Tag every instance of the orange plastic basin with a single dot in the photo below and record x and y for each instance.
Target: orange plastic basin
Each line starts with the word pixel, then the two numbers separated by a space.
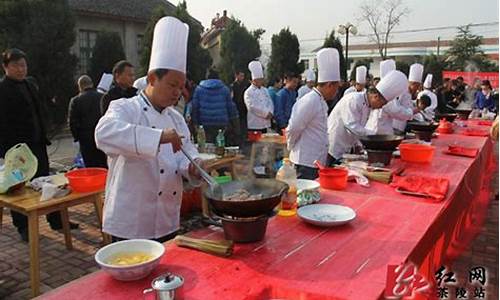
pixel 416 153
pixel 254 136
pixel 333 178
pixel 87 180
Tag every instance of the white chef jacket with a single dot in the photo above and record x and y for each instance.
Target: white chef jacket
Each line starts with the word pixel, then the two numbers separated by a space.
pixel 144 183
pixel 352 111
pixel 259 105
pixel 434 101
pixel 401 111
pixel 352 89
pixel 303 90
pixel 307 135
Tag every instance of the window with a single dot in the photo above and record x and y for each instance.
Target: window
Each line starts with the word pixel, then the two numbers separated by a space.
pixel 306 64
pixel 86 44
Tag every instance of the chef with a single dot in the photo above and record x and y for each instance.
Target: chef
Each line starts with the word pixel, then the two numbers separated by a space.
pixel 381 121
pixel 350 115
pixel 307 135
pixel 259 105
pixel 360 81
pixel 310 81
pixel 430 111
pixel 409 97
pixel 142 137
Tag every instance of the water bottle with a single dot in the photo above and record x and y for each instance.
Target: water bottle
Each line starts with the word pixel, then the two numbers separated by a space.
pixel 287 174
pixel 201 139
pixel 220 143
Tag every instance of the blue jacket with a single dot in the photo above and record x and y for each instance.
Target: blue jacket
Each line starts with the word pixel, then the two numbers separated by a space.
pixel 212 104
pixel 272 91
pixel 285 99
pixel 481 102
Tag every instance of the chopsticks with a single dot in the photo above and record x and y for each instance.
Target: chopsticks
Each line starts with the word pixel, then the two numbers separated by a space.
pixel 219 248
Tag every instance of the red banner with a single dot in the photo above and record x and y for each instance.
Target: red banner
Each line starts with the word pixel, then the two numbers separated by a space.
pixel 470 77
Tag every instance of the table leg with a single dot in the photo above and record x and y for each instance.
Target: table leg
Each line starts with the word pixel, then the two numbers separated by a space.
pixel 98 205
pixel 66 229
pixel 34 255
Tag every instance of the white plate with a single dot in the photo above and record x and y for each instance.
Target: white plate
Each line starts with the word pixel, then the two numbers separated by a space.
pixel 306 185
pixel 326 214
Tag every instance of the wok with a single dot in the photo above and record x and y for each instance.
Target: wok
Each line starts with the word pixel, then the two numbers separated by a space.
pixel 422 126
pixel 381 141
pixel 448 117
pixel 271 191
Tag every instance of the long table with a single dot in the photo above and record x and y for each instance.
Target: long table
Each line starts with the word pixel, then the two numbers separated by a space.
pixel 300 261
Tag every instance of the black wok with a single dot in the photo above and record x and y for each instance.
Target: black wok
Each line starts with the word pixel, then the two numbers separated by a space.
pixel 422 126
pixel 271 191
pixel 381 141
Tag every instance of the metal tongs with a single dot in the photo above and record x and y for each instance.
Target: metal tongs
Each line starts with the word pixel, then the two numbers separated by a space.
pixel 215 188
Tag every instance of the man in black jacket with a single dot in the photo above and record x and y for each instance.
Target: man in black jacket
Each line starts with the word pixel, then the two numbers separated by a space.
pixel 84 113
pixel 21 122
pixel 238 88
pixel 123 84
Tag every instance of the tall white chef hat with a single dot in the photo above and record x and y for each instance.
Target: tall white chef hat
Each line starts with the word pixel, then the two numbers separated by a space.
pixel 428 81
pixel 416 73
pixel 392 85
pixel 105 82
pixel 255 68
pixel 361 74
pixel 169 49
pixel 328 65
pixel 386 66
pixel 310 76
pixel 141 83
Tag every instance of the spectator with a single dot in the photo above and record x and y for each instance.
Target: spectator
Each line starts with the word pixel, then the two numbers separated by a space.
pixel 273 88
pixel 213 108
pixel 123 81
pixel 484 98
pixel 285 99
pixel 21 121
pixel 84 113
pixel 238 88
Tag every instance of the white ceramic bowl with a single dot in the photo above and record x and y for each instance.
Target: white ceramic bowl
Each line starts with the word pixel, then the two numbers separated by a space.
pixel 132 272
pixel 307 192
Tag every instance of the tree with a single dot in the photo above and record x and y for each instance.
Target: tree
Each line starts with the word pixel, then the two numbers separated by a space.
pixel 361 62
pixel 465 53
pixel 238 47
pixel 284 54
pixel 44 29
pixel 435 66
pixel 198 59
pixel 382 17
pixel 333 42
pixel 108 50
pixel 403 66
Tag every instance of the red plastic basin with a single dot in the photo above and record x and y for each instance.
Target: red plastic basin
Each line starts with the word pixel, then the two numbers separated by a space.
pixel 87 180
pixel 416 153
pixel 254 136
pixel 333 178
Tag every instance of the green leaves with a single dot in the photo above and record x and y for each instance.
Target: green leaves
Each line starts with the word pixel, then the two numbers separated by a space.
pixel 284 54
pixel 108 50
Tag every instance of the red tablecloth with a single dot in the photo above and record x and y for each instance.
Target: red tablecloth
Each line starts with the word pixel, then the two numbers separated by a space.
pixel 299 261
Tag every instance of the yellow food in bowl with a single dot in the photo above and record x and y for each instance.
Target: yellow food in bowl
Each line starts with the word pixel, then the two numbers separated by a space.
pixel 129 258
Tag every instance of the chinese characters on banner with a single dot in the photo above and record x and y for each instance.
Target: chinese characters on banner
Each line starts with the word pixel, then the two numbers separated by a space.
pixel 404 282
pixel 470 77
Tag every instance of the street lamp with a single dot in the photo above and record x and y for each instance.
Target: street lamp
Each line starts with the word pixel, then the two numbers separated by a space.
pixel 346 29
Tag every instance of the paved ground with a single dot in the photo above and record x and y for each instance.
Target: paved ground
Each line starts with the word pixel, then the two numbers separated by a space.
pixel 14 258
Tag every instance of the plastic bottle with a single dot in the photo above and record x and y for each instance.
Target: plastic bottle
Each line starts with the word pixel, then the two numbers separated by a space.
pixel 201 139
pixel 220 143
pixel 287 173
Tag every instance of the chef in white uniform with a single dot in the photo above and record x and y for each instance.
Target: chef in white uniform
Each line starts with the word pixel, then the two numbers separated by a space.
pixel 259 105
pixel 381 121
pixel 350 115
pixel 141 84
pixel 408 99
pixel 428 91
pixel 307 135
pixel 310 81
pixel 360 81
pixel 142 137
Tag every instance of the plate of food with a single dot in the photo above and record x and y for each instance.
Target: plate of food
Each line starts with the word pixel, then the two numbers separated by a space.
pixel 326 214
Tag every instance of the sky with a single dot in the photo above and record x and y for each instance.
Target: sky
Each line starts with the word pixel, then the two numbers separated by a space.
pixel 311 20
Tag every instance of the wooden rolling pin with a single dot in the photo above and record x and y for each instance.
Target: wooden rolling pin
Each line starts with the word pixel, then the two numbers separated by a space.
pixel 220 248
